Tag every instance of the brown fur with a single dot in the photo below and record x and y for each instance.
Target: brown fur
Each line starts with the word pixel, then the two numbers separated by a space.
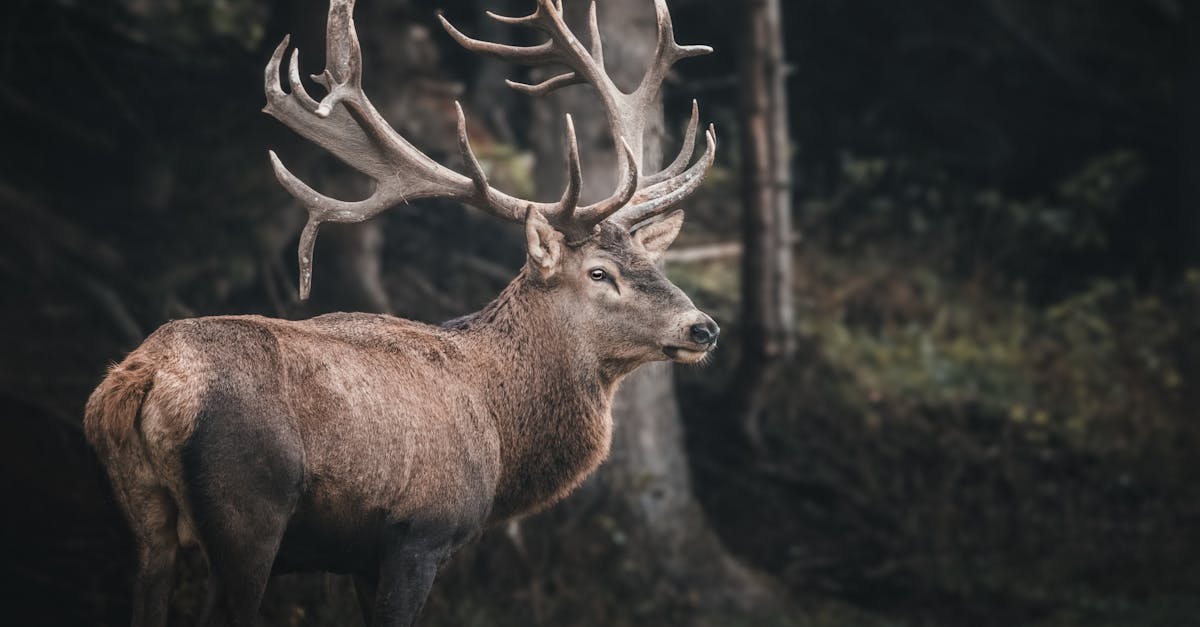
pixel 113 407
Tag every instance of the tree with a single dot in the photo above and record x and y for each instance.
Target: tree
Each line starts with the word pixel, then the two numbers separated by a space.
pixel 767 230
pixel 1190 112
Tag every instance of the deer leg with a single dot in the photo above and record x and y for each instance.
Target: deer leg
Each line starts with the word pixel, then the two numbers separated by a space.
pixel 157 546
pixel 366 587
pixel 243 473
pixel 409 560
pixel 241 537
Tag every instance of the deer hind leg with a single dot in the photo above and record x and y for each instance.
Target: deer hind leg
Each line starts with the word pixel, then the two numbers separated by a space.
pixel 242 471
pixel 152 516
pixel 366 586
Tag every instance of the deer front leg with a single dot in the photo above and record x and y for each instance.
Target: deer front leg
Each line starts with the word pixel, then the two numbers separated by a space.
pixel 409 561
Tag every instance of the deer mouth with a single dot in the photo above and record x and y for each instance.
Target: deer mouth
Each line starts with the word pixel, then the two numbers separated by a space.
pixel 687 355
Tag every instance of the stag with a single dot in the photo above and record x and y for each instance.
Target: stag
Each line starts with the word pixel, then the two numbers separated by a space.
pixel 376 446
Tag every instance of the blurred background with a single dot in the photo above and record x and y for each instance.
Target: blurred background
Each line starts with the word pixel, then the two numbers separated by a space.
pixel 954 246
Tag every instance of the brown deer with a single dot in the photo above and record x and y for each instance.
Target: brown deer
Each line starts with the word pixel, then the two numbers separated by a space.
pixel 376 446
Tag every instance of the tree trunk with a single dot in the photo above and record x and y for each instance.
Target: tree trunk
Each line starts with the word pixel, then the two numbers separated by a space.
pixel 1190 112
pixel 767 309
pixel 645 486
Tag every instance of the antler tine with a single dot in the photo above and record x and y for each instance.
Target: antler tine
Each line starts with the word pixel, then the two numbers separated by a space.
pixel 273 89
pixel 666 54
pixel 626 188
pixel 474 169
pixel 321 209
pixel 524 20
pixel 546 86
pixel 541 54
pixel 294 80
pixel 594 35
pixel 662 197
pixel 343 58
pixel 570 197
pixel 685 152
pixel 485 195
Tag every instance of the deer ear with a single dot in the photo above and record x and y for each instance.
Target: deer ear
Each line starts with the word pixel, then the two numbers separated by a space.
pixel 656 237
pixel 544 242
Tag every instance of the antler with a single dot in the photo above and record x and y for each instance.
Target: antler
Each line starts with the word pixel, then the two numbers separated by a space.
pixel 626 112
pixel 346 124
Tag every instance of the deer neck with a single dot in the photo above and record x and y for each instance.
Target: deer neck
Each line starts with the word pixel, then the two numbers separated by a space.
pixel 550 395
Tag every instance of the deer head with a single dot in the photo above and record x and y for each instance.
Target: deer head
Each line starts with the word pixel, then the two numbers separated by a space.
pixel 597 263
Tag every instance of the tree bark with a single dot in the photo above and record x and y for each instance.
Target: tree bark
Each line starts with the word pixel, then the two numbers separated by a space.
pixel 767 309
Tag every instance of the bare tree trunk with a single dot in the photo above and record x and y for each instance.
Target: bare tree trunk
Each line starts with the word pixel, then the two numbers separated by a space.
pixel 645 486
pixel 1189 171
pixel 1190 113
pixel 356 258
pixel 767 309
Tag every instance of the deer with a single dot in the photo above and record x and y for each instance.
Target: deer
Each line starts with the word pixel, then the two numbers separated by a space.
pixel 374 446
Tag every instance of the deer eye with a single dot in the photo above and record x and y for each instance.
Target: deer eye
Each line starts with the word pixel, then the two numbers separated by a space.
pixel 598 274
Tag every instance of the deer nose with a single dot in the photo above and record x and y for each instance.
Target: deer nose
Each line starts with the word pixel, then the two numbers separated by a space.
pixel 705 333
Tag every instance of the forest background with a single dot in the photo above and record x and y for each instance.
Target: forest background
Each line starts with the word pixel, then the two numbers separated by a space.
pixel 981 405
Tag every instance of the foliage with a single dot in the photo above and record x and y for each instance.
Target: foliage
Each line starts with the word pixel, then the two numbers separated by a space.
pixel 949 447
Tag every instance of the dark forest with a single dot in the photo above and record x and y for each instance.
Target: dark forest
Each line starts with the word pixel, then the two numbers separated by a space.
pixel 954 248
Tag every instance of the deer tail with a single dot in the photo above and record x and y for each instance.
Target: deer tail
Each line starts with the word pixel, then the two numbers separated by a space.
pixel 110 417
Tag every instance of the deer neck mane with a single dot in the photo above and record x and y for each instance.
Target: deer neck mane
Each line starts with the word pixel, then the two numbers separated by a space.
pixel 550 395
